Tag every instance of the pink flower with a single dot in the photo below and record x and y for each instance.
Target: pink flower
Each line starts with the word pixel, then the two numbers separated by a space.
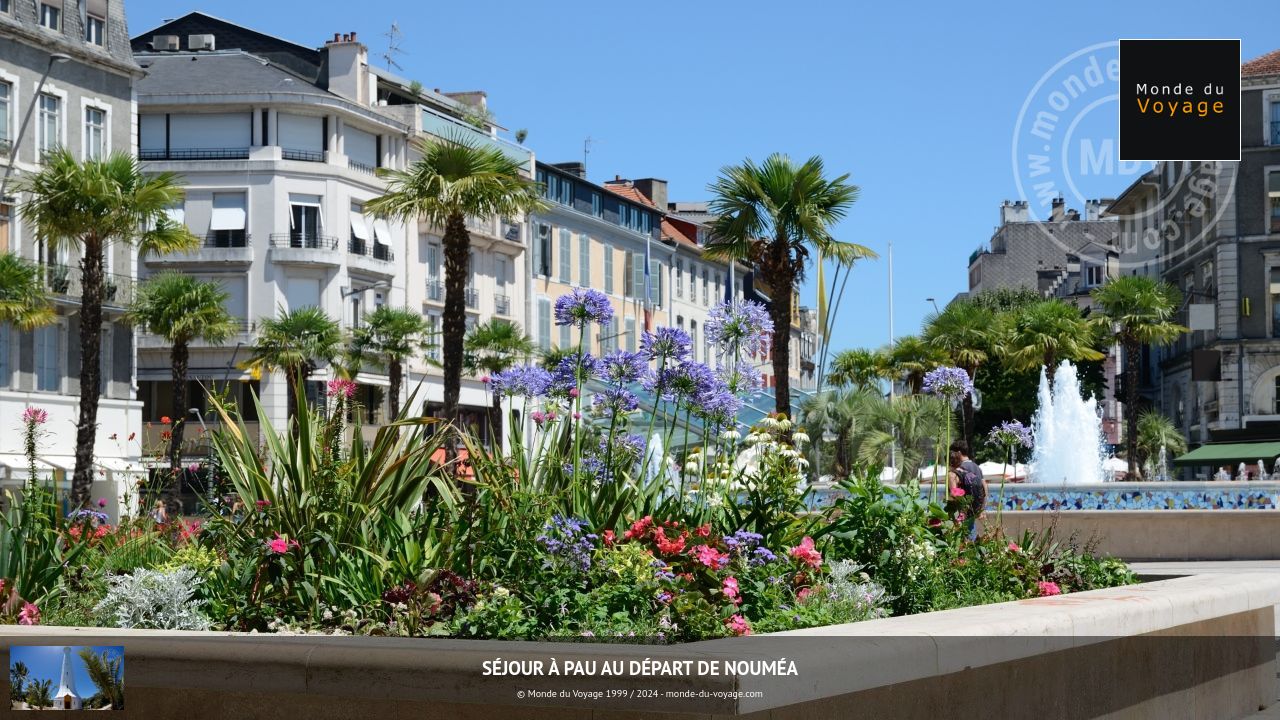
pixel 279 545
pixel 710 557
pixel 577 416
pixel 341 387
pixel 960 517
pixel 193 468
pixel 1048 588
pixel 35 416
pixel 957 492
pixel 485 379
pixel 731 590
pixel 738 625
pixel 805 553
pixel 538 416
pixel 573 392
pixel 102 502
pixel 262 503
pixel 1013 547
pixel 29 615
pixel 804 594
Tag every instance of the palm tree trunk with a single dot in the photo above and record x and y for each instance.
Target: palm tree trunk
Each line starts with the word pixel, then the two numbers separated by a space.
pixel 1131 407
pixel 179 358
pixel 291 394
pixel 1050 367
pixel 780 310
pixel 966 411
pixel 495 424
pixel 394 371
pixel 457 249
pixel 90 369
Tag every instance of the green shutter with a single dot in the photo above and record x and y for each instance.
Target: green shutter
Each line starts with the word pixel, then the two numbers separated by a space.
pixel 608 269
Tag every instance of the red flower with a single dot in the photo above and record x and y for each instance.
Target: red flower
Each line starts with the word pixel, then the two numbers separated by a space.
pixel 639 528
pixel 934 522
pixel 132 435
pixel 608 538
pixel 957 492
pixel 165 420
pixel 738 625
pixel 279 545
pixel 805 553
pixel 1013 547
pixel 1047 588
pixel 673 546
pixel 710 557
pixel 704 531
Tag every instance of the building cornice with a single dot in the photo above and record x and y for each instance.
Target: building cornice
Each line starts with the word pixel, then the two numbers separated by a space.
pixel 51 42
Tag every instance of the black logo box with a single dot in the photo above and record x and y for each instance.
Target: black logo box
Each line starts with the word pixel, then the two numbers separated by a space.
pixel 1187 68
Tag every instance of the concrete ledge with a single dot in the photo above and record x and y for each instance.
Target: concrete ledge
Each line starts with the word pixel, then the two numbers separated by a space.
pixel 1158 534
pixel 1203 642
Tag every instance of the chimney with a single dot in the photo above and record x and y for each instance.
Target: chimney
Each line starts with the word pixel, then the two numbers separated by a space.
pixel 1059 210
pixel 348 63
pixel 654 189
pixel 577 168
pixel 1012 212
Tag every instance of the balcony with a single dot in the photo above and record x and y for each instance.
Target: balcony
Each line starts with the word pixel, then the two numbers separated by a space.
pixel 1275 132
pixel 502 305
pixel 361 167
pixel 473 298
pixel 63 282
pixel 511 231
pixel 243 332
pixel 240 153
pixel 220 246
pixel 303 155
pixel 299 248
pixel 370 257
pixel 435 291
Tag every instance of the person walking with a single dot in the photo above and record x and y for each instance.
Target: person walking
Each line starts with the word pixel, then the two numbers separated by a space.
pixel 966 486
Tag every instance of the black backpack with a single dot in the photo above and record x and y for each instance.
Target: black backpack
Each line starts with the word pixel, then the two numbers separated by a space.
pixel 969 476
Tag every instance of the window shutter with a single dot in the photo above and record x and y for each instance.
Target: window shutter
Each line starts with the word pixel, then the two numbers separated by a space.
pixel 544 323
pixel 584 260
pixel 637 268
pixel 627 276
pixel 608 269
pixel 566 245
pixel 631 334
pixel 655 288
pixel 566 338
pixel 586 338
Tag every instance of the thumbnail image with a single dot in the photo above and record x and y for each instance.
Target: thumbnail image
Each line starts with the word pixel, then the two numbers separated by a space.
pixel 66 677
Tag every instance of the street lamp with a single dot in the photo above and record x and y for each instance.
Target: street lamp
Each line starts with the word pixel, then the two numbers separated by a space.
pixel 935 305
pixel 54 59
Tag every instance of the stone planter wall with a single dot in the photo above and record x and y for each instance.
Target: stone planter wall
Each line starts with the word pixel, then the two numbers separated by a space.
pixel 1200 646
pixel 1158 534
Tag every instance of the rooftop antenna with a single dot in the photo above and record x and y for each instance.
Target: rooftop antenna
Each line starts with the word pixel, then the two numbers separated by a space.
pixel 586 148
pixel 393 37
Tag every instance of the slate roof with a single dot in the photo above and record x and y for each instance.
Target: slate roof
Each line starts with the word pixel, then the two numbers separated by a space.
pixel 230 72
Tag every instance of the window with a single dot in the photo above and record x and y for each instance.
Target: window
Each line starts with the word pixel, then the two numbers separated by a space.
pixel 6 213
pixel 95 23
pixel 500 273
pixel 305 221
pixel 228 222
pixel 6 98
pixel 542 252
pixel 1275 122
pixel 586 338
pixel 584 261
pixel 631 334
pixel 693 337
pixel 544 324
pixel 433 336
pixel 48 368
pixel 6 372
pixel 679 278
pixel 634 286
pixel 1275 302
pixel 1276 409
pixel 50 125
pixel 719 289
pixel 1093 275
pixel 4 6
pixel 655 282
pixel 1273 198
pixel 597 208
pixel 1206 276
pixel 608 269
pixel 51 15
pixel 95 133
pixel 558 189
pixel 104 363
pixel 705 294
pixel 566 337
pixel 566 245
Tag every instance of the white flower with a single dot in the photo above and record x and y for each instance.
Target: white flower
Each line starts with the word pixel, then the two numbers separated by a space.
pixel 730 435
pixel 800 438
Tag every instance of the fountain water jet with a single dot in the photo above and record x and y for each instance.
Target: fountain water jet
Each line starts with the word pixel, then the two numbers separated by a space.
pixel 1068 433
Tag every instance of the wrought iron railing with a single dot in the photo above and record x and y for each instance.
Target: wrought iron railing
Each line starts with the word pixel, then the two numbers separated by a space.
pixel 375 250
pixel 195 154
pixel 310 241
pixel 226 239
pixel 472 297
pixel 501 305
pixel 435 290
pixel 360 167
pixel 66 282
pixel 304 155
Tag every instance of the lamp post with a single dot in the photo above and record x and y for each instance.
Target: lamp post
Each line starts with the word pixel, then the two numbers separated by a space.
pixel 54 58
pixel 935 305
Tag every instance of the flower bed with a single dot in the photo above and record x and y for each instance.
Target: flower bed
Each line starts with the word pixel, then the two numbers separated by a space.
pixel 593 527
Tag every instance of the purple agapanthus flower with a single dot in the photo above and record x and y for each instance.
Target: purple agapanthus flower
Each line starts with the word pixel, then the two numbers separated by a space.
pixel 583 306
pixel 743 380
pixel 529 381
pixel 565 539
pixel 622 367
pixel 951 383
pixel 717 407
pixel 629 446
pixel 1010 433
pixel 742 326
pixel 667 345
pixel 573 372
pixel 615 400
pixel 685 381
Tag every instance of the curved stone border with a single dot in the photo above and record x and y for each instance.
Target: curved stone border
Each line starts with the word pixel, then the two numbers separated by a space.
pixel 1210 637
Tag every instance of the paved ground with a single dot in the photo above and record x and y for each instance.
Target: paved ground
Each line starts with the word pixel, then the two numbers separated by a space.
pixel 1219 566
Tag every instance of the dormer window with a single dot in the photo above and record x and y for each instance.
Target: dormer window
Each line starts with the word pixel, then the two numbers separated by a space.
pixel 1094 275
pixel 51 14
pixel 95 22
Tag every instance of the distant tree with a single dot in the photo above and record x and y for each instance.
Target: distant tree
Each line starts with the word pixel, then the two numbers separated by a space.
pixel 23 301
pixel 858 368
pixel 912 357
pixel 964 331
pixel 1046 333
pixel 489 349
pixel 107 673
pixel 393 335
pixel 40 694
pixel 296 342
pixel 18 674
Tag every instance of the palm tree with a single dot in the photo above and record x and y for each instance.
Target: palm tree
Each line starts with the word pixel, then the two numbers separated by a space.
pixel 1138 311
pixel 839 419
pixel 452 180
pixel 491 348
pixel 911 357
pixel 394 334
pixel 912 424
pixel 181 308
pixel 964 332
pixel 858 368
pixel 295 342
pixel 107 673
pixel 18 674
pixel 90 207
pixel 22 298
pixel 770 215
pixel 40 694
pixel 1045 334
pixel 1156 431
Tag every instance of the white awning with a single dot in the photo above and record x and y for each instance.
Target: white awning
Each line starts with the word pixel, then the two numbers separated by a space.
pixel 358 227
pixel 371 379
pixel 19 462
pixel 119 465
pixel 228 212
pixel 62 462
pixel 382 231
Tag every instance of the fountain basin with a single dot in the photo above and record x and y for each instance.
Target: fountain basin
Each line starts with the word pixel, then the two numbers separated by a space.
pixel 1111 496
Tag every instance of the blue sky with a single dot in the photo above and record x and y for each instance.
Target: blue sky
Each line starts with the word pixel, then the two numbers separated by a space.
pixel 916 101
pixel 44 662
